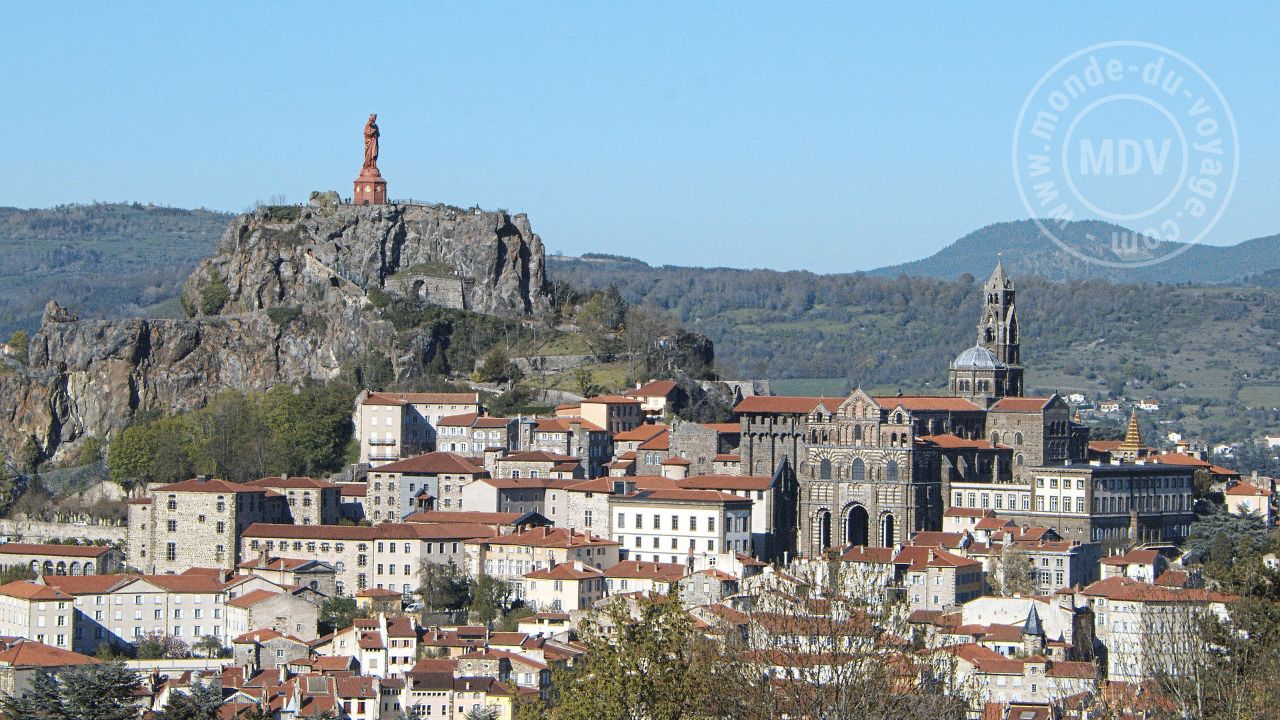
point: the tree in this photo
(30, 455)
(42, 701)
(1019, 572)
(482, 712)
(444, 586)
(155, 646)
(338, 612)
(496, 366)
(99, 692)
(214, 296)
(20, 344)
(201, 703)
(10, 573)
(209, 646)
(489, 597)
(638, 664)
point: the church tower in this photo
(998, 329)
(992, 368)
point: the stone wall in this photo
(37, 531)
(447, 291)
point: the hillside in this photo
(109, 260)
(1215, 350)
(290, 294)
(1025, 251)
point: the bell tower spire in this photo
(998, 326)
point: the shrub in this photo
(214, 296)
(283, 315)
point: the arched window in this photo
(995, 438)
(858, 470)
(824, 469)
(857, 432)
(891, 471)
(1017, 459)
(48, 567)
(897, 418)
(75, 568)
(1017, 438)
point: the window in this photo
(172, 525)
(171, 551)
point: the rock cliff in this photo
(288, 295)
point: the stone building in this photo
(702, 443)
(53, 559)
(871, 470)
(309, 501)
(394, 425)
(395, 490)
(196, 523)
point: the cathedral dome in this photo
(978, 358)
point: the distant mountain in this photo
(1025, 250)
(110, 260)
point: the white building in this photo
(680, 525)
(393, 425)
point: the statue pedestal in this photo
(370, 189)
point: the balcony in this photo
(383, 441)
(384, 457)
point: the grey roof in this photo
(1032, 626)
(977, 357)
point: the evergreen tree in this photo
(42, 701)
(201, 703)
(98, 692)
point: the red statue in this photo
(371, 143)
(370, 188)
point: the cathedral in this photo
(872, 470)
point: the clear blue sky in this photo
(830, 137)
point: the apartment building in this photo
(36, 612)
(472, 434)
(574, 437)
(534, 464)
(399, 489)
(309, 501)
(564, 588)
(614, 413)
(387, 556)
(392, 426)
(771, 516)
(196, 523)
(510, 557)
(679, 525)
(121, 609)
(938, 580)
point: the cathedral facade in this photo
(872, 470)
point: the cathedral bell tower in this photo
(991, 369)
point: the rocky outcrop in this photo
(295, 305)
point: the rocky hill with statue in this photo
(291, 293)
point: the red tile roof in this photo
(32, 591)
(1241, 489)
(682, 495)
(785, 405)
(639, 433)
(1138, 557)
(354, 489)
(547, 537)
(635, 569)
(292, 482)
(402, 398)
(1020, 404)
(676, 460)
(432, 463)
(209, 486)
(605, 484)
(88, 584)
(926, 402)
(864, 554)
(53, 549)
(252, 598)
(1122, 588)
(653, 388)
(661, 441)
(28, 653)
(948, 441)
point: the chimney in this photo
(284, 476)
(282, 673)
